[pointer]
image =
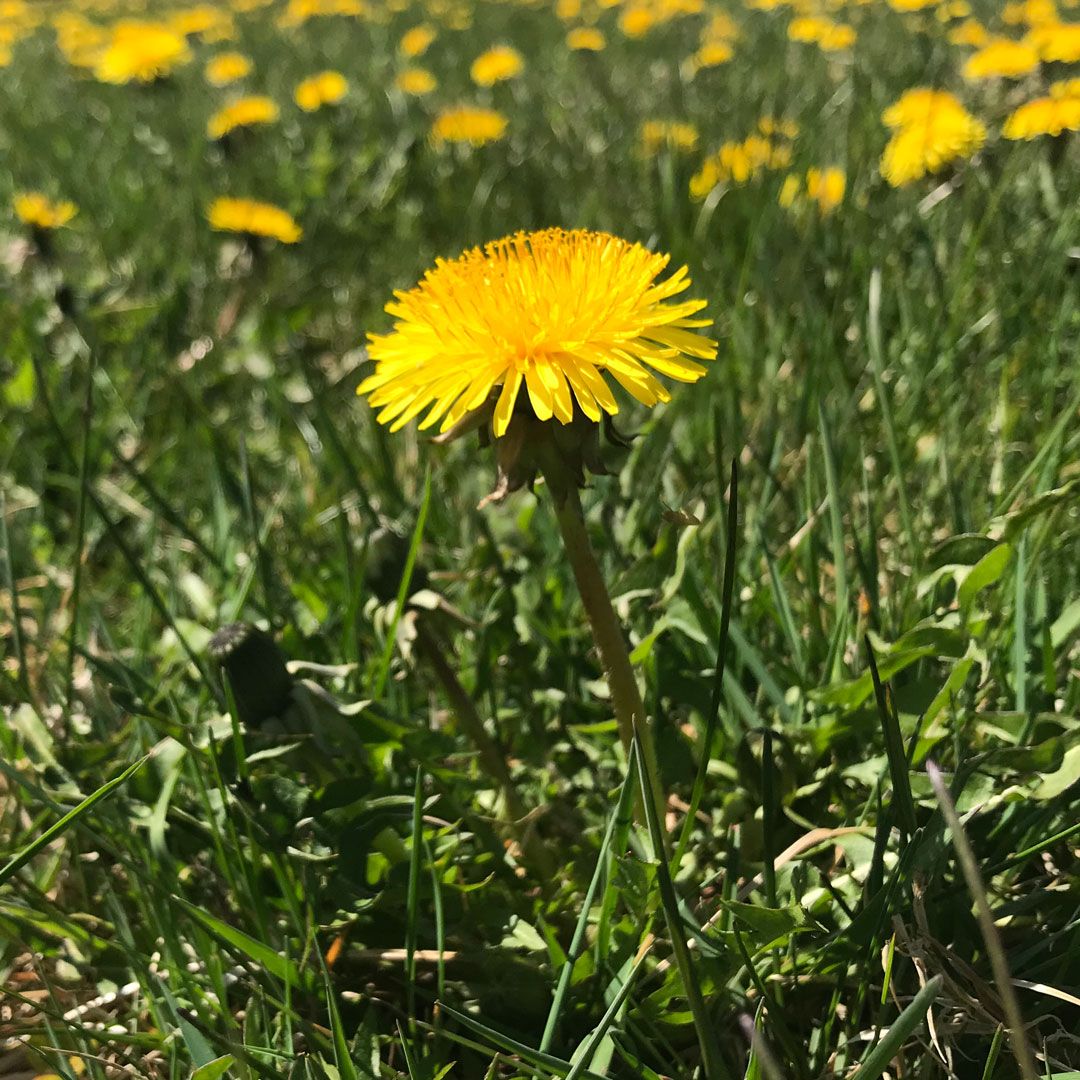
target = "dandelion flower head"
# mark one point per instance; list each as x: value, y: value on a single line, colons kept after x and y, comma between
x: 933, y: 129
x: 1001, y: 58
x: 468, y: 125
x: 40, y: 212
x: 140, y: 52
x: 558, y: 312
x: 245, y: 112
x: 226, y: 68
x: 585, y: 39
x: 496, y: 65
x: 326, y: 88
x: 415, y: 42
x: 416, y: 81
x: 253, y: 219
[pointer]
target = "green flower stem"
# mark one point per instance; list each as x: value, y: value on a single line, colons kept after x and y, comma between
x: 608, y: 635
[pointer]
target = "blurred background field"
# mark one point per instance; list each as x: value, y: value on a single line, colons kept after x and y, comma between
x: 880, y: 203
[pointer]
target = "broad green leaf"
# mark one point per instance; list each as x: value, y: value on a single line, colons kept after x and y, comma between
x: 984, y: 573
x: 212, y: 1070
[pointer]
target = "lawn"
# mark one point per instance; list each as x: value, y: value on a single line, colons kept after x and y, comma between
x: 735, y: 736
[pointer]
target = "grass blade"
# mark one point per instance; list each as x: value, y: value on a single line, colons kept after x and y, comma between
x: 906, y: 1024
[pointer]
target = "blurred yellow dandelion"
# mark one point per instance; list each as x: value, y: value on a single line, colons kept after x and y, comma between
x: 326, y: 88
x: 1001, y: 58
x: 1056, y: 42
x: 242, y: 113
x: 40, y: 212
x: 933, y: 130
x: 415, y: 42
x: 416, y: 81
x: 826, y: 187
x: 226, y: 68
x: 464, y: 124
x: 253, y: 219
x: 552, y: 310
x: 1044, y: 116
x: 585, y: 39
x: 140, y: 52
x: 672, y: 134
x: 496, y: 65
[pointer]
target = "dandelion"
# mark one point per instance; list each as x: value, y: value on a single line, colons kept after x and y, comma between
x: 837, y: 38
x: 529, y: 329
x: 738, y: 163
x: 554, y: 311
x: 468, y: 125
x: 675, y: 136
x: 932, y: 130
x: 969, y: 32
x: 140, y: 52
x: 40, y: 212
x: 299, y: 11
x: 253, y: 218
x: 496, y: 65
x: 226, y: 68
x: 326, y: 88
x: 245, y: 112
x: 1057, y: 42
x: 1001, y: 58
x: 1051, y: 115
x: 637, y: 21
x: 712, y: 54
x: 585, y: 39
x: 204, y: 21
x: 416, y: 81
x: 416, y: 41
x: 826, y: 187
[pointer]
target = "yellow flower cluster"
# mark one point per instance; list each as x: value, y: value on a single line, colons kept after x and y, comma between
x: 552, y: 311
x: 253, y: 218
x: 1002, y: 58
x: 673, y: 135
x: 227, y: 68
x: 829, y: 36
x: 496, y: 65
x: 326, y: 88
x: 244, y: 112
x: 739, y: 162
x: 40, y: 212
x: 297, y: 12
x: 139, y: 52
x: 1054, y: 114
x: 416, y: 81
x: 468, y: 125
x: 825, y: 187
x: 585, y: 39
x: 932, y: 130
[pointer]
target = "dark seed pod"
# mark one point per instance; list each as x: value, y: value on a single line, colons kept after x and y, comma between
x: 255, y: 669
x: 387, y: 555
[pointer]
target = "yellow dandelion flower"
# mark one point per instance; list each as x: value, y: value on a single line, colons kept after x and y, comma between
x: 771, y: 125
x: 226, y: 68
x: 415, y: 42
x: 969, y: 32
x: 676, y: 136
x: 1065, y: 88
x: 826, y: 187
x: 921, y: 146
x: 416, y: 81
x: 40, y: 212
x: 585, y: 39
x: 905, y: 6
x: 496, y: 65
x: 81, y: 41
x: 205, y: 21
x: 808, y: 28
x: 636, y: 21
x: 1056, y: 42
x: 1043, y: 116
x: 245, y: 112
x: 918, y: 105
x: 789, y: 190
x: 253, y: 218
x: 837, y: 38
x: 326, y: 88
x: 568, y: 10
x: 712, y: 54
x: 299, y: 11
x: 1002, y: 58
x: 140, y: 52
x: 464, y: 124
x: 553, y: 310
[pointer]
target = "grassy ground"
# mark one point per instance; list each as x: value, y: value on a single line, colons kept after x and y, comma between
x: 337, y: 893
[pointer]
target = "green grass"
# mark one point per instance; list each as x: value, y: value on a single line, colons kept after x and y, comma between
x: 336, y: 893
